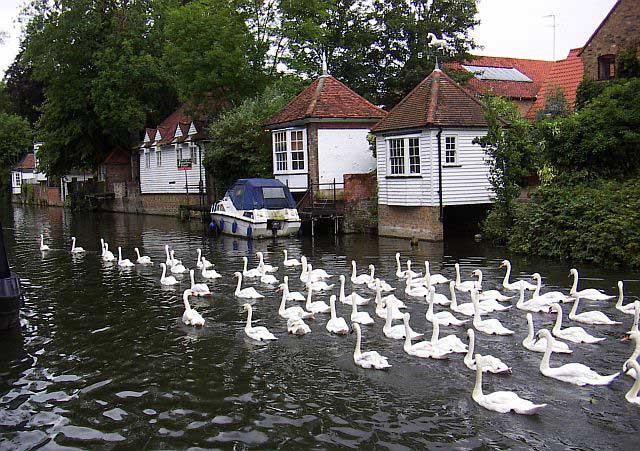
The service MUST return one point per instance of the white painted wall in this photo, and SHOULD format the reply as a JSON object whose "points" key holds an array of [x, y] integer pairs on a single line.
{"points": [[297, 183], [25, 177], [167, 179], [343, 151]]}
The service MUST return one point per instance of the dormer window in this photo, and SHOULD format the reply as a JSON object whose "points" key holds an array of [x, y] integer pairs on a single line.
{"points": [[606, 67]]}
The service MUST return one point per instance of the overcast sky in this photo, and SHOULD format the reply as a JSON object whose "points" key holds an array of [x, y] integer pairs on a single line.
{"points": [[514, 28]]}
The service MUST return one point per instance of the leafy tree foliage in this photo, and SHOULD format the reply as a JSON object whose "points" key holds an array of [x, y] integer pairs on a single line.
{"points": [[16, 138], [628, 64], [587, 90], [24, 93]]}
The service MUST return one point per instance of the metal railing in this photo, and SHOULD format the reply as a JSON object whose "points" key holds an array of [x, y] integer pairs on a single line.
{"points": [[313, 204]]}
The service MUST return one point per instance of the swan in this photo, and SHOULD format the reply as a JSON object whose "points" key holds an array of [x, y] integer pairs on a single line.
{"points": [[590, 293], [317, 306], [44, 247], [635, 336], [369, 359], [501, 401], [126, 263], [168, 261], [315, 274], [267, 278], [361, 279], [467, 285], [294, 295], [450, 342], [438, 298], [488, 326], [202, 262], [632, 394], [177, 268], [514, 286], [168, 281], [400, 274], [393, 300], [108, 255], [400, 331], [467, 308], [297, 326], [259, 333], [491, 364], [289, 262], [628, 309], [353, 296], [416, 291], [142, 259], [384, 309], [424, 349], [74, 249], [445, 318], [541, 344], [198, 289], [488, 295], [318, 284], [535, 305], [210, 274], [434, 279], [174, 260], [262, 264], [384, 286], [360, 317], [190, 316], [249, 273], [291, 312], [574, 373], [247, 293], [336, 325], [551, 296], [592, 317], [636, 316], [572, 334]]}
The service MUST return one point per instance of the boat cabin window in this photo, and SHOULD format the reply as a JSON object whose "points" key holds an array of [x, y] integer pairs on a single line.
{"points": [[274, 197]]}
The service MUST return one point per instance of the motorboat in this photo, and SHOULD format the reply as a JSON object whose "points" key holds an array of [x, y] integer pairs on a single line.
{"points": [[256, 208]]}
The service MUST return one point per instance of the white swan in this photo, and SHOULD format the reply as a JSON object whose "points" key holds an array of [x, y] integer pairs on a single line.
{"points": [[369, 359], [488, 295], [540, 345], [434, 279], [628, 309], [501, 401], [202, 262], [74, 249], [336, 325], [467, 308], [249, 273], [400, 274], [467, 285], [168, 262], [632, 394], [190, 316], [360, 317], [108, 255], [535, 305], [572, 334], [393, 300], [44, 247], [491, 364], [293, 295], [142, 259], [210, 273], [636, 317], [164, 280], [262, 264], [592, 317], [384, 309], [174, 260], [384, 286], [445, 318], [353, 296], [289, 262], [574, 373], [198, 289], [635, 336], [317, 306], [488, 326], [361, 279], [514, 286], [124, 263], [318, 284], [550, 296], [246, 293], [297, 326], [290, 312], [451, 342], [314, 274], [267, 279], [259, 333], [590, 293], [177, 268], [423, 349], [398, 332], [415, 290]]}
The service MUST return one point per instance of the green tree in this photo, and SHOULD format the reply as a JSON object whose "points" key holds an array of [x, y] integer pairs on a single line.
{"points": [[555, 104], [587, 90], [628, 65], [25, 94], [16, 138]]}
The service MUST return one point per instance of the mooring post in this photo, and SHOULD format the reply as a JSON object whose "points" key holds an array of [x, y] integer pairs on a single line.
{"points": [[10, 293], [313, 226]]}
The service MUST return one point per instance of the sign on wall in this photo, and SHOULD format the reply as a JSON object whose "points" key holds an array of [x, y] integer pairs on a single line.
{"points": [[185, 165]]}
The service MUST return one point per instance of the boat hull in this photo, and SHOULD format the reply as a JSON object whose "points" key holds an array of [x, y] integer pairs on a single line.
{"points": [[243, 227]]}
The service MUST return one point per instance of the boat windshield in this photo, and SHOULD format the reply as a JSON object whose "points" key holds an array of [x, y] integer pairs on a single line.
{"points": [[274, 198]]}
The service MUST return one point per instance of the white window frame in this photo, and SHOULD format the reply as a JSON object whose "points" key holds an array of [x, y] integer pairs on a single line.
{"points": [[406, 157], [193, 152], [159, 158], [456, 161], [147, 159], [17, 179], [289, 153]]}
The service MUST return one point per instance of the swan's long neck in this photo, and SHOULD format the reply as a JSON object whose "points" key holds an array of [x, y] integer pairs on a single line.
{"points": [[427, 270], [398, 263], [635, 388], [476, 308], [407, 332], [332, 304], [520, 302], [138, 253], [73, 243], [187, 306], [373, 271], [119, 253], [479, 279], [636, 317], [430, 301], [199, 256], [285, 255], [574, 286], [101, 245], [436, 331], [536, 292], [574, 309], [353, 269], [636, 352], [387, 320], [261, 259], [166, 250], [457, 274], [164, 272], [529, 329], [245, 261], [507, 274], [239, 284], [309, 290], [620, 295], [544, 363], [354, 307], [477, 389], [341, 289], [283, 302], [193, 279], [357, 350], [378, 294], [454, 301], [249, 315], [472, 347], [558, 324]]}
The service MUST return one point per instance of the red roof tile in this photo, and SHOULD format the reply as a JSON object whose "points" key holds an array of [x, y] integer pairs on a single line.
{"points": [[28, 162], [326, 98], [566, 75], [436, 101]]}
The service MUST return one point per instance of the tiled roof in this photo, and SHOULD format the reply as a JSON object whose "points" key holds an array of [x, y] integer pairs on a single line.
{"points": [[566, 75], [436, 101], [326, 98], [118, 156], [28, 162], [536, 70]]}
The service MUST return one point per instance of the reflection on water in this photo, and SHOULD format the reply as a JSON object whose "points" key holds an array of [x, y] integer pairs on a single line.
{"points": [[104, 360]]}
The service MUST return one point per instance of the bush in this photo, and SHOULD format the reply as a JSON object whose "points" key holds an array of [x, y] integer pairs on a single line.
{"points": [[595, 222]]}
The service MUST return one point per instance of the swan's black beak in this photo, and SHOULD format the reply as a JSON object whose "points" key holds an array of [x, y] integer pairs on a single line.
{"points": [[350, 330], [536, 338], [625, 337], [626, 368]]}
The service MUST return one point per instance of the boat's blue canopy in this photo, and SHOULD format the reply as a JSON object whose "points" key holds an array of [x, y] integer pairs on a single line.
{"points": [[256, 194]]}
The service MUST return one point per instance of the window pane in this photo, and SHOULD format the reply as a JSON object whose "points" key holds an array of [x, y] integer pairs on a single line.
{"points": [[414, 155], [396, 156], [158, 159], [280, 149], [450, 150]]}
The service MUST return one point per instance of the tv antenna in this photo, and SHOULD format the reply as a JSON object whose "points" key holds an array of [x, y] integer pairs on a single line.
{"points": [[554, 26]]}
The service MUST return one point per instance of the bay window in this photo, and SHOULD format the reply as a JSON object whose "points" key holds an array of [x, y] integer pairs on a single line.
{"points": [[290, 151], [404, 156]]}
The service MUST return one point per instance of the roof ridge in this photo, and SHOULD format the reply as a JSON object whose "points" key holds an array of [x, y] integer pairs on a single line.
{"points": [[595, 32], [435, 96], [314, 97]]}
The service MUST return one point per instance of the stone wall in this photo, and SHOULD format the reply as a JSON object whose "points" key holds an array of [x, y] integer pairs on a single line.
{"points": [[360, 203], [128, 199], [410, 222], [621, 30]]}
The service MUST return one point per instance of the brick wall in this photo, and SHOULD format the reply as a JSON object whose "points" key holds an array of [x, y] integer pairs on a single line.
{"points": [[410, 222], [312, 151], [621, 30], [360, 203], [117, 173]]}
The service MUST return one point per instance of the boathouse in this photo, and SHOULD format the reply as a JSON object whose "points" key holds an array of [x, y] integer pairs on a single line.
{"points": [[321, 135], [427, 161], [23, 173]]}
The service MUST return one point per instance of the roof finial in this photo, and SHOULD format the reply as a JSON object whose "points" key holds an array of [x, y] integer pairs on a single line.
{"points": [[437, 63], [325, 70]]}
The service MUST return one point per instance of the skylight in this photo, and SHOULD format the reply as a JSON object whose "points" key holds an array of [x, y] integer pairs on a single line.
{"points": [[497, 73]]}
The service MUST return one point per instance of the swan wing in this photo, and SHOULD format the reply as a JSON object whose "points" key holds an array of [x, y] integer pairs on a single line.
{"points": [[337, 326], [506, 401]]}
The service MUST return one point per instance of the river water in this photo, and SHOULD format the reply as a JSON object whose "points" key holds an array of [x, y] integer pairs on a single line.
{"points": [[104, 361]]}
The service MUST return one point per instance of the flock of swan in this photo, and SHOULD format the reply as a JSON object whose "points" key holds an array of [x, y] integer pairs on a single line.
{"points": [[390, 308]]}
